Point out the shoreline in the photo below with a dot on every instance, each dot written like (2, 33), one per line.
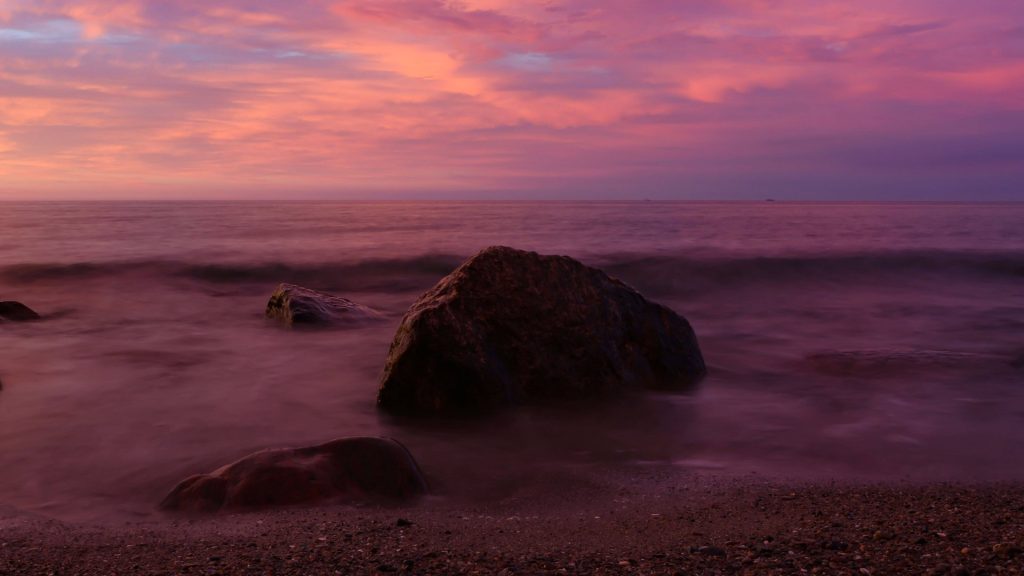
(663, 525)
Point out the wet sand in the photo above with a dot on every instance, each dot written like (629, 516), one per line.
(658, 524)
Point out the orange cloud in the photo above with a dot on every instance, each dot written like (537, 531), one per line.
(475, 94)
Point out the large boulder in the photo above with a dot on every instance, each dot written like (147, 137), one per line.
(295, 305)
(349, 470)
(17, 312)
(510, 327)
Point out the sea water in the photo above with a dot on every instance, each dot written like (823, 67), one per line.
(844, 341)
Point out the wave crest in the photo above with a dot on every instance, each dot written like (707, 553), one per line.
(657, 274)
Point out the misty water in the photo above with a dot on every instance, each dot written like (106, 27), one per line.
(844, 341)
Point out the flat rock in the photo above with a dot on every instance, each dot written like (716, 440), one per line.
(294, 305)
(17, 312)
(512, 327)
(348, 470)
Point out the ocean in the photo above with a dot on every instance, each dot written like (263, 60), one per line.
(844, 341)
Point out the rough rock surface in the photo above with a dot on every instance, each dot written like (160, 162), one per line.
(295, 305)
(349, 470)
(17, 312)
(510, 327)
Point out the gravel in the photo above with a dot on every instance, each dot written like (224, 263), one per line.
(669, 526)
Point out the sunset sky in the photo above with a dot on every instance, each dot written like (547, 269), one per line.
(802, 99)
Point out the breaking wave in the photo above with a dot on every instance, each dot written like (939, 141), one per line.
(654, 273)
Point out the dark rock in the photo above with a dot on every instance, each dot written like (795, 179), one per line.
(17, 312)
(1006, 550)
(295, 305)
(837, 545)
(403, 523)
(349, 470)
(510, 327)
(764, 551)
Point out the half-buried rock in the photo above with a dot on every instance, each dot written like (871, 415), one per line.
(297, 306)
(513, 327)
(17, 312)
(349, 470)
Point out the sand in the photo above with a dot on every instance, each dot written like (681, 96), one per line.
(665, 524)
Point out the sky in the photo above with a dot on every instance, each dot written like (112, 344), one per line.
(512, 99)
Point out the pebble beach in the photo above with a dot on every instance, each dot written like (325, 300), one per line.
(666, 525)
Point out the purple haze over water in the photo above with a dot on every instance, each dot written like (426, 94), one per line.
(874, 341)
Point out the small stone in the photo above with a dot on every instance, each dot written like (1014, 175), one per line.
(837, 545)
(17, 312)
(403, 523)
(1006, 550)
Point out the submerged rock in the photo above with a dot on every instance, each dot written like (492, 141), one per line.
(349, 470)
(510, 327)
(17, 312)
(295, 305)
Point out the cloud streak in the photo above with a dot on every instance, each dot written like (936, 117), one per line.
(494, 98)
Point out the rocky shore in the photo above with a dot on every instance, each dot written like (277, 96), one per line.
(509, 330)
(667, 526)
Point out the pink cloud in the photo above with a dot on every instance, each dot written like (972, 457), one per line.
(231, 98)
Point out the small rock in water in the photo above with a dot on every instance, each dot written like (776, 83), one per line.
(17, 312)
(346, 470)
(512, 327)
(295, 305)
